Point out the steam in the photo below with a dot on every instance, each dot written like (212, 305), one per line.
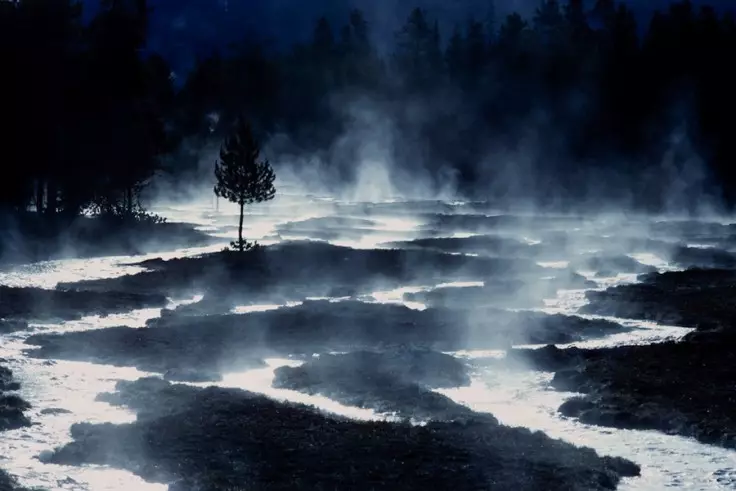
(372, 160)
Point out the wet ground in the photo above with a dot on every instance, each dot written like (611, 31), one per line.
(443, 291)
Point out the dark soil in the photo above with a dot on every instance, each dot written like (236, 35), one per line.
(610, 265)
(704, 298)
(398, 382)
(39, 304)
(484, 224)
(28, 238)
(295, 270)
(6, 380)
(684, 388)
(9, 483)
(511, 293)
(201, 347)
(491, 245)
(692, 257)
(214, 439)
(11, 326)
(194, 354)
(12, 406)
(692, 230)
(55, 411)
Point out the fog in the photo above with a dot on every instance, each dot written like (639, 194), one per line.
(511, 265)
(417, 259)
(381, 154)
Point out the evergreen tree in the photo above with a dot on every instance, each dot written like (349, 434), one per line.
(577, 22)
(359, 61)
(360, 37)
(476, 50)
(323, 41)
(548, 23)
(418, 53)
(241, 177)
(131, 134)
(455, 54)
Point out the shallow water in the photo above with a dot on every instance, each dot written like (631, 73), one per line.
(523, 398)
(519, 398)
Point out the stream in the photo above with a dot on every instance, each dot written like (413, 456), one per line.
(63, 393)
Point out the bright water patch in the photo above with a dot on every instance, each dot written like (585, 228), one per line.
(522, 398)
(464, 235)
(396, 296)
(650, 259)
(701, 246)
(48, 274)
(247, 309)
(462, 284)
(68, 386)
(515, 397)
(554, 264)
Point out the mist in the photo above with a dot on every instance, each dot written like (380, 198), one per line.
(497, 246)
(484, 125)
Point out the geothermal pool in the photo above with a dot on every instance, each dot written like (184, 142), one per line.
(516, 397)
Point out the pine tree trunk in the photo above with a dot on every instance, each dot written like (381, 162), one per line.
(240, 229)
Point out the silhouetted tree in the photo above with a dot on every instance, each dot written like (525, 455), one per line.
(597, 95)
(476, 50)
(455, 54)
(577, 20)
(418, 55)
(241, 177)
(361, 67)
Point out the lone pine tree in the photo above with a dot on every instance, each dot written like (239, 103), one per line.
(241, 177)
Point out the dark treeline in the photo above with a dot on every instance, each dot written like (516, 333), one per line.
(86, 113)
(577, 102)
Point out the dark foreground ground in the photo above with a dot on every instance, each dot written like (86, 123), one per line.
(683, 388)
(9, 483)
(218, 439)
(28, 238)
(12, 408)
(296, 270)
(214, 439)
(20, 305)
(221, 439)
(398, 382)
(193, 347)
